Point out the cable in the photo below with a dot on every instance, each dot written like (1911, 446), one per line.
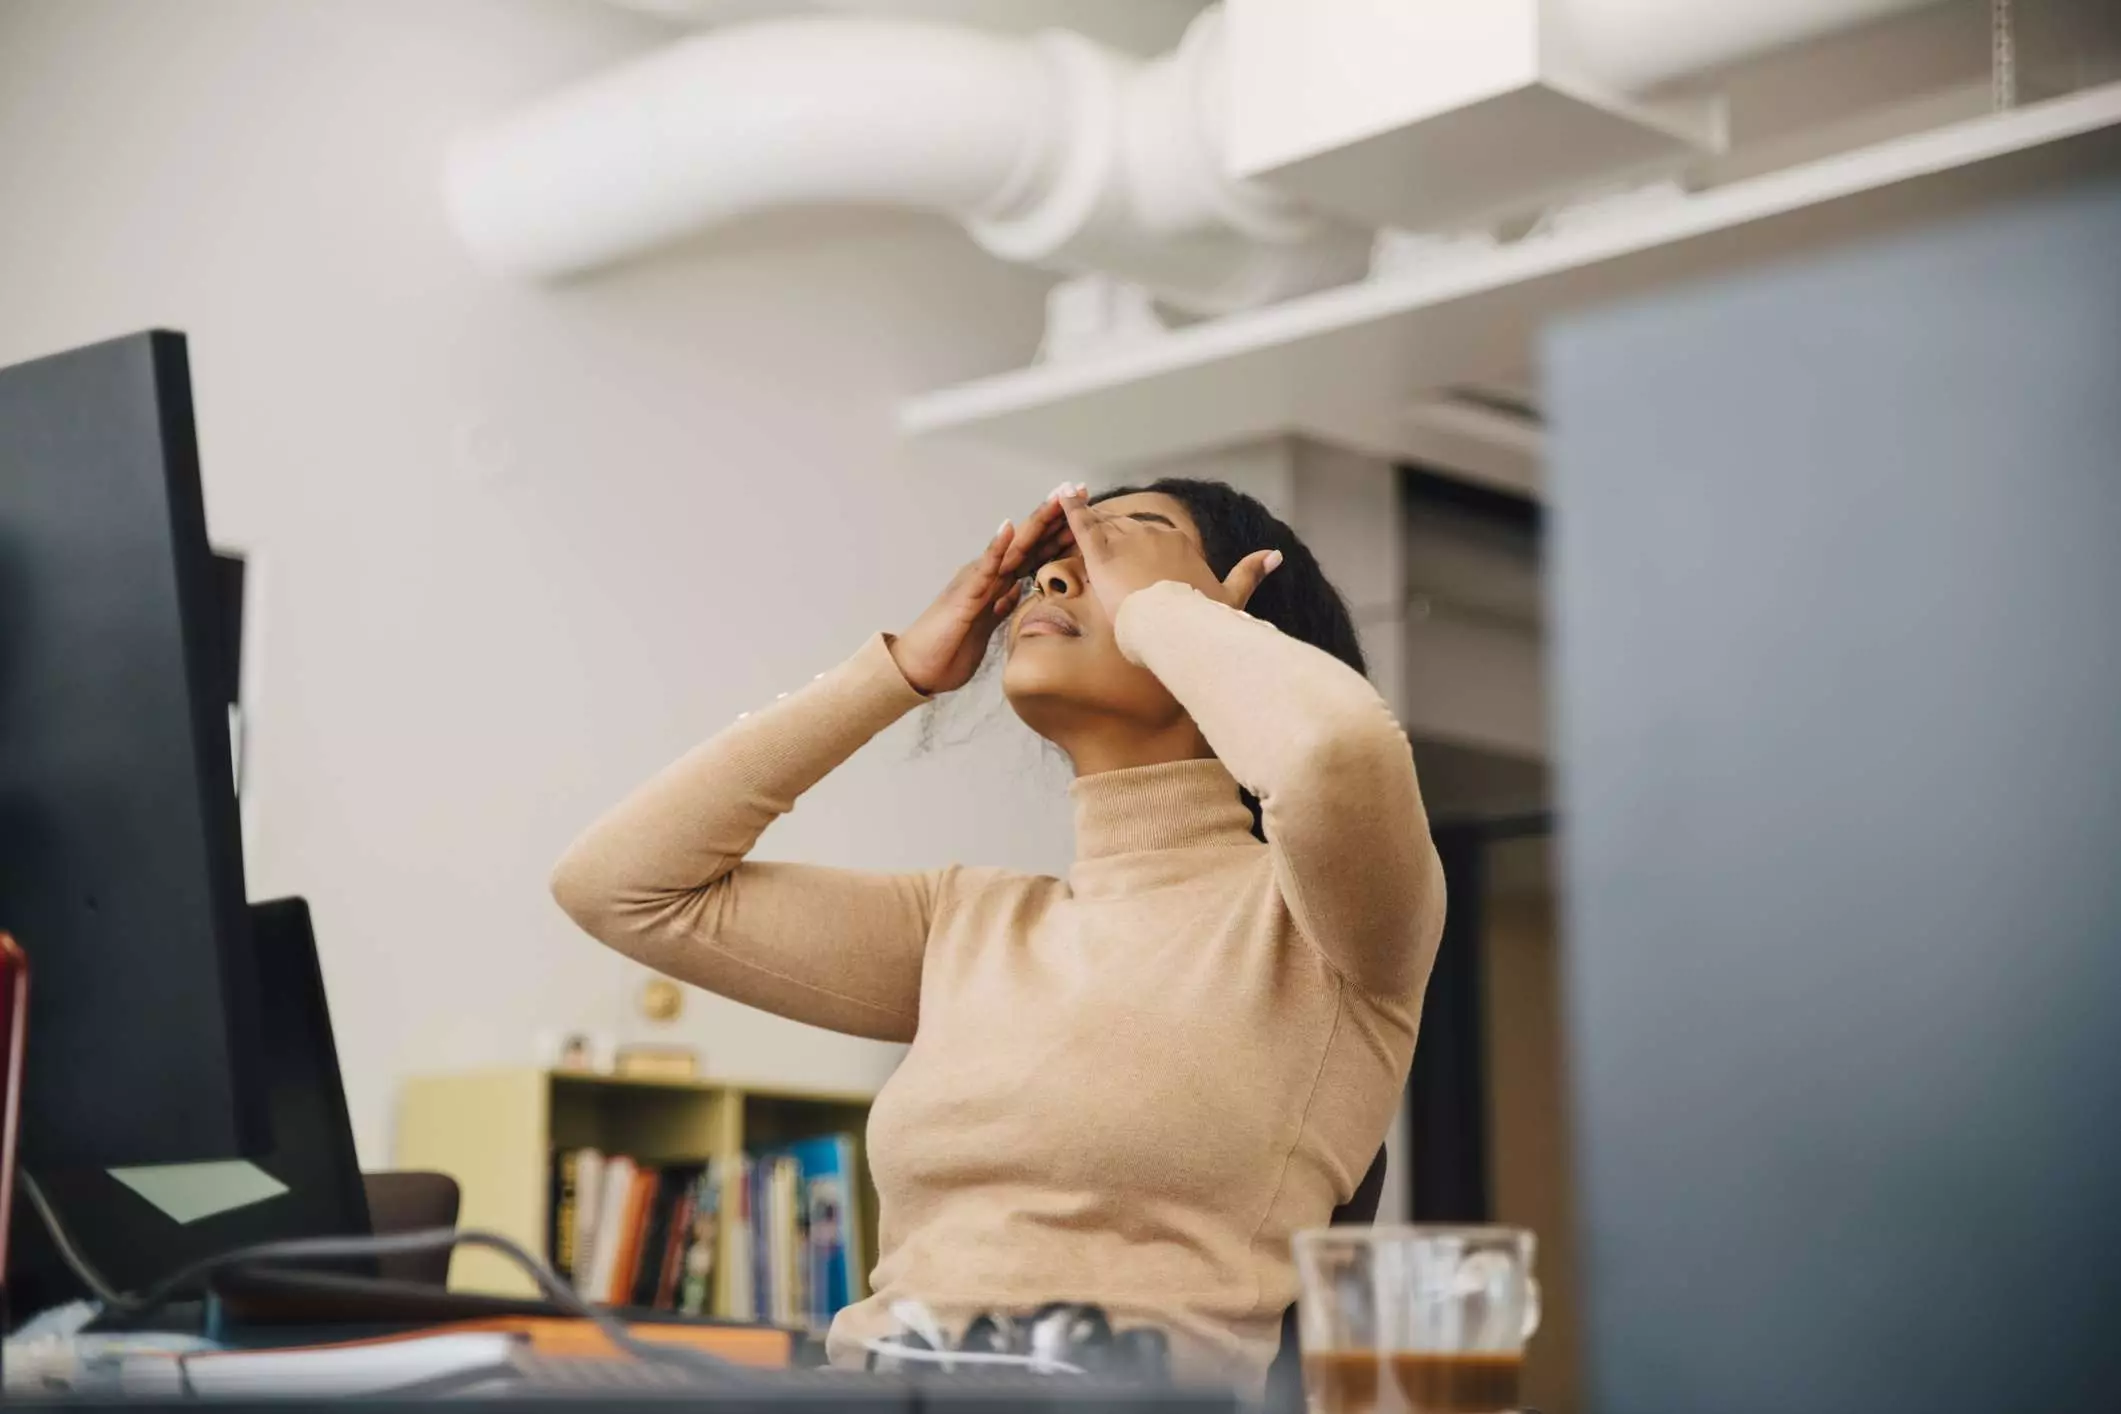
(315, 1249)
(63, 1240)
(894, 1348)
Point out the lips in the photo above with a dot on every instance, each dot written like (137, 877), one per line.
(1047, 621)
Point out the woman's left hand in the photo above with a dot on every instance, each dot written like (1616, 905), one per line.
(1121, 554)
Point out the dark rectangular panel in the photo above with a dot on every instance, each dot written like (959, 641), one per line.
(121, 867)
(1837, 591)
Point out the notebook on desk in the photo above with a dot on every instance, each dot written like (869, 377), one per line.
(504, 1348)
(261, 1307)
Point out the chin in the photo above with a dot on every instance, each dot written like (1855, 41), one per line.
(1058, 694)
(1032, 674)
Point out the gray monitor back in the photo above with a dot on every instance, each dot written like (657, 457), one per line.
(1836, 578)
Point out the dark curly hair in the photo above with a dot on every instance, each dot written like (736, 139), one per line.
(1297, 598)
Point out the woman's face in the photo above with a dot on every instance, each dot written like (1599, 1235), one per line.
(1064, 667)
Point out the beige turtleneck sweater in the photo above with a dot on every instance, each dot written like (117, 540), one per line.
(1130, 1085)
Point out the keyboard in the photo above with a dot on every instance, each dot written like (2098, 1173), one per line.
(966, 1392)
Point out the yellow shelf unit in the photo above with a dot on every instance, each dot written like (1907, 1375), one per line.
(496, 1131)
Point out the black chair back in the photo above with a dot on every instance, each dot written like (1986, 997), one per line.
(403, 1202)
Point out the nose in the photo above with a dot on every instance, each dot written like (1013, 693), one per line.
(1060, 579)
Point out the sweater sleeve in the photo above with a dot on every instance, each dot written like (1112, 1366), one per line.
(662, 878)
(1333, 771)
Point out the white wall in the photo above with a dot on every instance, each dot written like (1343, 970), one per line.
(516, 548)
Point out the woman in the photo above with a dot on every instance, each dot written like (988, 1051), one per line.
(1131, 1085)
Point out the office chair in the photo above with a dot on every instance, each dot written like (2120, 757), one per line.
(407, 1201)
(1285, 1377)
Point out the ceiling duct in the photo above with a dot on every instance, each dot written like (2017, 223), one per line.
(1057, 151)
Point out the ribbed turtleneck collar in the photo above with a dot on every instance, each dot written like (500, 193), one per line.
(1178, 805)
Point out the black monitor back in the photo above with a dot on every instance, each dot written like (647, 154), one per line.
(1837, 569)
(121, 868)
(133, 1244)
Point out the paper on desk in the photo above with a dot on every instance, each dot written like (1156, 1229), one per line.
(46, 1358)
(368, 1367)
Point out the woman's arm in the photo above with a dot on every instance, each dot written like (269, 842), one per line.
(1333, 771)
(662, 877)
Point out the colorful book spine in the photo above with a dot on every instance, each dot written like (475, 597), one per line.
(614, 1200)
(663, 1255)
(560, 1217)
(670, 1272)
(640, 1197)
(750, 1261)
(589, 1166)
(702, 1248)
(804, 1231)
(789, 1309)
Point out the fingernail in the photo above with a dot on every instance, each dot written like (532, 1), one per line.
(1007, 526)
(1273, 561)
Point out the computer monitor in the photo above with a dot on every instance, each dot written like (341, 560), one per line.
(121, 871)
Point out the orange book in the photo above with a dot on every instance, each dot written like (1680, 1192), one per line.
(760, 1347)
(633, 1229)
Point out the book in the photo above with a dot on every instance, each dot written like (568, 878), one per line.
(559, 1212)
(366, 1367)
(377, 1365)
(799, 1234)
(763, 1347)
(632, 1231)
(744, 1268)
(670, 1269)
(615, 1192)
(672, 1183)
(564, 1221)
(801, 1309)
(787, 1293)
(589, 1167)
(854, 1217)
(765, 1300)
(828, 1226)
(697, 1294)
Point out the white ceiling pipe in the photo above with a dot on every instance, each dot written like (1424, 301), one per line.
(1141, 192)
(1638, 44)
(1052, 150)
(788, 113)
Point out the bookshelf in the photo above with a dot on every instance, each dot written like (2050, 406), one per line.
(496, 1131)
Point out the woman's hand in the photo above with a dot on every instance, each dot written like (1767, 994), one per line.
(943, 647)
(1122, 554)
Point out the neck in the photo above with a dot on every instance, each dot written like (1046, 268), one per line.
(1123, 817)
(1096, 752)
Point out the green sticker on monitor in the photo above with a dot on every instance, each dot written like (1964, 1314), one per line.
(189, 1192)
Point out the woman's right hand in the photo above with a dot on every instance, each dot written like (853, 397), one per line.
(942, 648)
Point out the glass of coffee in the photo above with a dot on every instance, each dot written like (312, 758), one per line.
(1427, 1320)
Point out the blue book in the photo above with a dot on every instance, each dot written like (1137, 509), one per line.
(831, 1208)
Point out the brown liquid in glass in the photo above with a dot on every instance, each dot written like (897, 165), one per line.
(1346, 1381)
